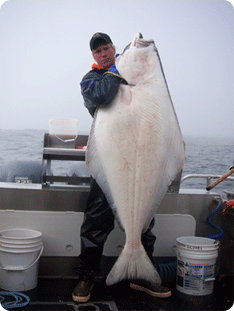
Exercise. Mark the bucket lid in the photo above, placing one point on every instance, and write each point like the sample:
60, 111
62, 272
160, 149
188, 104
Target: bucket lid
198, 243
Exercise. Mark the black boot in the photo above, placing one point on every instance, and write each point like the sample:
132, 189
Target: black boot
82, 291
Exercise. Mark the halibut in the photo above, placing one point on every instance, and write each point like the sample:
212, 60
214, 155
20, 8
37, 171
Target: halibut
135, 151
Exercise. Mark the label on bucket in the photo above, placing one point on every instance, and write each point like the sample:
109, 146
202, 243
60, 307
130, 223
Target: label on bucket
195, 278
198, 247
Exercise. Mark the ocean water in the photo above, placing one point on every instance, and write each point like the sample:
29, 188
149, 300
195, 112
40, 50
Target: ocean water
204, 155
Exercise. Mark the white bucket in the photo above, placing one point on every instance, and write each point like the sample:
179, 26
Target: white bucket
20, 236
20, 279
20, 250
11, 257
196, 265
17, 245
63, 127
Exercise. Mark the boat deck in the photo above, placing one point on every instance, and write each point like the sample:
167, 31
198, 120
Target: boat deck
55, 294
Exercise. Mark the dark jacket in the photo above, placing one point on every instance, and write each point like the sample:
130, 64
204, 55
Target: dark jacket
98, 90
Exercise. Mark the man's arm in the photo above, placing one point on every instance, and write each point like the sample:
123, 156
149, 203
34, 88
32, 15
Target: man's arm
99, 90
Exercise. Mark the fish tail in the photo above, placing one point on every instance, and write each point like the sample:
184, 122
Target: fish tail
133, 264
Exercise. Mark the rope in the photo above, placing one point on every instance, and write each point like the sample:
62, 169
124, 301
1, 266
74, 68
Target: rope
21, 300
167, 271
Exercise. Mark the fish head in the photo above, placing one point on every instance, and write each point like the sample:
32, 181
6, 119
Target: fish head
137, 62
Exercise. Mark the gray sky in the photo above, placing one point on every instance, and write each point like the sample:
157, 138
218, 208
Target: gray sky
45, 53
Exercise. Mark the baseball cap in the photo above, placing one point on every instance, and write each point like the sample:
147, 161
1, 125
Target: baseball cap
99, 38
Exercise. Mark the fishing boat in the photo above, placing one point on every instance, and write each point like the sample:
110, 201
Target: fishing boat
34, 197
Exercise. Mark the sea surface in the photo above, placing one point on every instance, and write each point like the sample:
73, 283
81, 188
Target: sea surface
204, 155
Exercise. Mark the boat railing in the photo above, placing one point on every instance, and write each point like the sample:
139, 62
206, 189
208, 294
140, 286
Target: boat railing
204, 176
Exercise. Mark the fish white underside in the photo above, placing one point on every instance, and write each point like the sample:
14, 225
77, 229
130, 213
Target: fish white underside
135, 151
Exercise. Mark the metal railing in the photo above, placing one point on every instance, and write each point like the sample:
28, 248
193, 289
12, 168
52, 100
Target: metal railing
204, 176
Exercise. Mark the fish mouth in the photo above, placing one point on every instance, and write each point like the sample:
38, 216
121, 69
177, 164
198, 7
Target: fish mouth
139, 42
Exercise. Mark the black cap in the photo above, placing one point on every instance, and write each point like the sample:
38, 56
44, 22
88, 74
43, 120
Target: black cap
99, 38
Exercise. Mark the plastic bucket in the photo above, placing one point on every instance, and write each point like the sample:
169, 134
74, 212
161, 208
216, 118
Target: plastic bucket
11, 257
63, 132
196, 265
60, 127
20, 250
21, 245
18, 278
20, 236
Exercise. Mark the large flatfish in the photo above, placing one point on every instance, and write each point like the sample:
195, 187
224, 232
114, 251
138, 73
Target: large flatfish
135, 151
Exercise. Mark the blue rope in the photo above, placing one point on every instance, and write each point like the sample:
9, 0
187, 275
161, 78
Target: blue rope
167, 271
213, 225
17, 303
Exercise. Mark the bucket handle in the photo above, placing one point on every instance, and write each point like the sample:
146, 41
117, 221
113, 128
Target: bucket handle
22, 269
66, 140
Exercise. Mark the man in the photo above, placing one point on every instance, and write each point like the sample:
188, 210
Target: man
99, 87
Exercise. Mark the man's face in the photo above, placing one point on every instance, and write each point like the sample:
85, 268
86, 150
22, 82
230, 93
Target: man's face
104, 55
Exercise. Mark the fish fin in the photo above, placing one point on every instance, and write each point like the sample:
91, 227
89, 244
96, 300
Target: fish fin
133, 264
117, 218
92, 160
160, 194
96, 170
172, 168
94, 164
